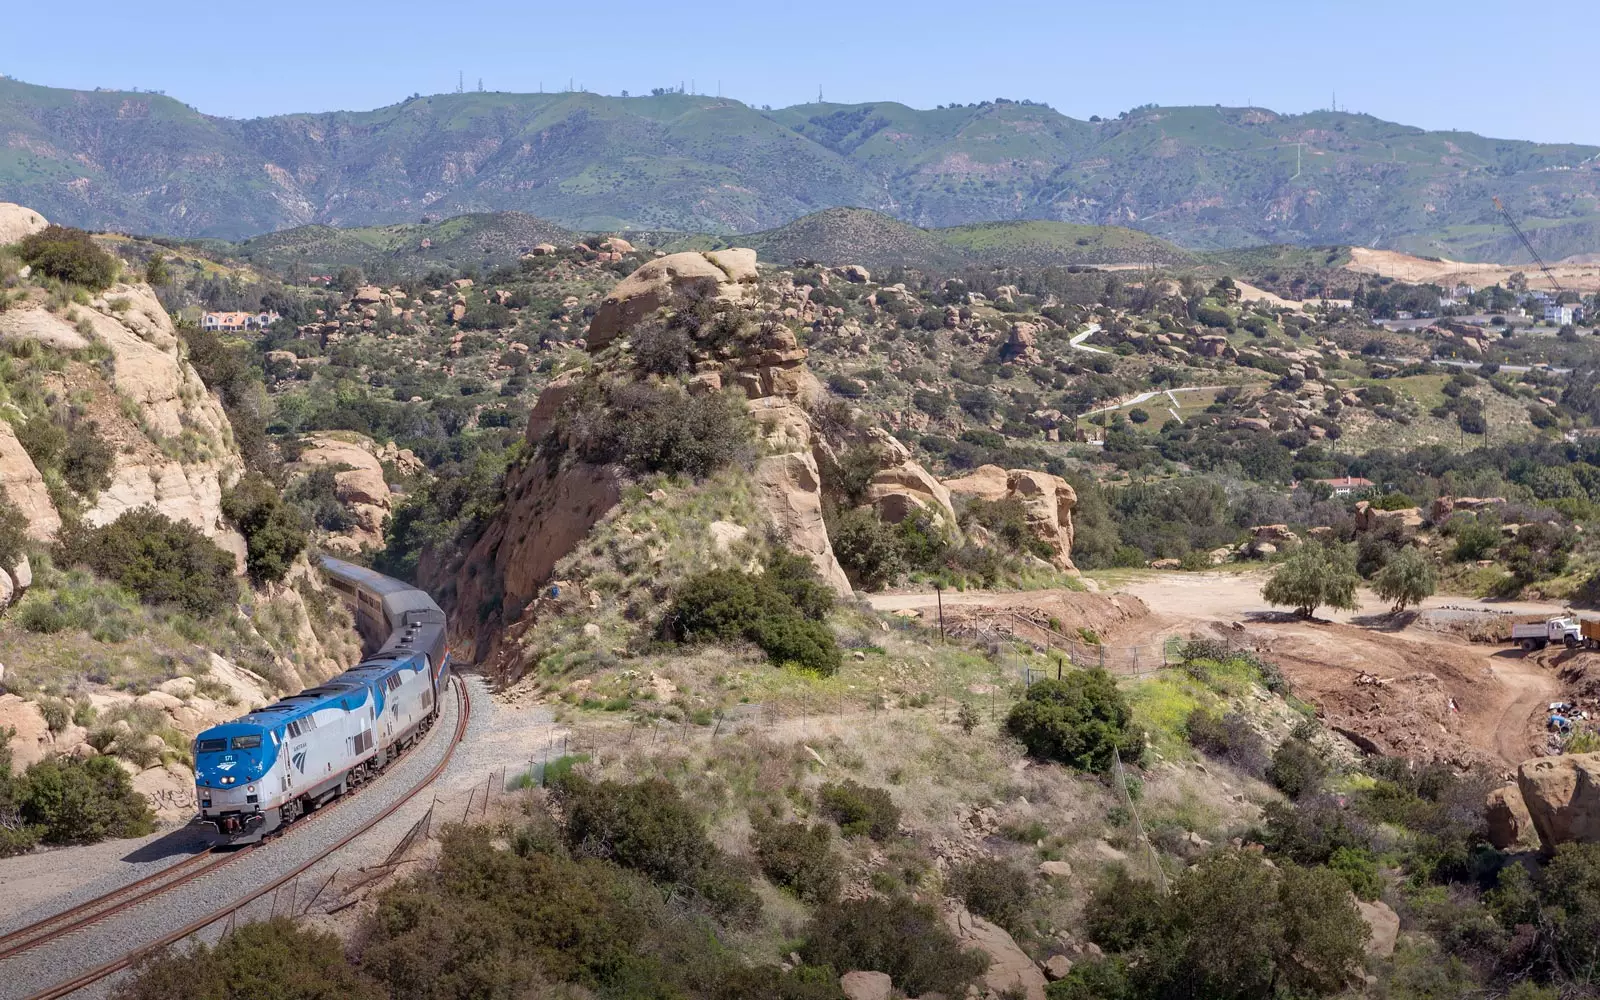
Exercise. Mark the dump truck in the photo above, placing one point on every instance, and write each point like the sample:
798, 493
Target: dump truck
1566, 630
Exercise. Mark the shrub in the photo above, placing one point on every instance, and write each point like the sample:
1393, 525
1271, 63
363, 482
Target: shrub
1233, 926
271, 529
68, 254
993, 889
1359, 869
647, 827
162, 560
779, 611
653, 428
74, 801
799, 858
1213, 317
859, 810
905, 939
867, 549
13, 532
1081, 720
661, 349
1229, 737
272, 958
1297, 769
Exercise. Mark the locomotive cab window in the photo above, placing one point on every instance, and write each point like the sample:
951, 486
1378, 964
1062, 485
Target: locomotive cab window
246, 742
210, 746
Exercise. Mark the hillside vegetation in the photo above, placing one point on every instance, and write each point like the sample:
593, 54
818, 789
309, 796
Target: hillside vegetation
1203, 177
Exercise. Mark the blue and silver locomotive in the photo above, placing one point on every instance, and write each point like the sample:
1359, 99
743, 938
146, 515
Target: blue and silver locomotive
266, 769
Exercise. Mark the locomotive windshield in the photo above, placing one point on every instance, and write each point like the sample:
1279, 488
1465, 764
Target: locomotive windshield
211, 746
247, 742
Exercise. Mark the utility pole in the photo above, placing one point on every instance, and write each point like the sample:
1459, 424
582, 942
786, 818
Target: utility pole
461, 79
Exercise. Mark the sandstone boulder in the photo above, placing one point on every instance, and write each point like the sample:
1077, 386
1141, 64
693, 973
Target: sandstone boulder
866, 986
1022, 344
1510, 825
987, 482
358, 481
1384, 925
42, 326
17, 222
1562, 795
23, 485
789, 492
854, 273
1370, 518
1057, 967
1047, 503
32, 741
739, 263
655, 283
367, 295
1010, 970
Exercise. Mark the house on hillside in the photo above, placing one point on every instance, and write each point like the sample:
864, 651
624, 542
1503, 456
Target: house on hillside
230, 321
1346, 485
1561, 315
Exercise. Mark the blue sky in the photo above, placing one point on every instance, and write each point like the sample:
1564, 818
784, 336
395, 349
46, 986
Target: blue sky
1514, 71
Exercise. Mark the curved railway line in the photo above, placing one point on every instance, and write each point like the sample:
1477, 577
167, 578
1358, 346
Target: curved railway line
135, 894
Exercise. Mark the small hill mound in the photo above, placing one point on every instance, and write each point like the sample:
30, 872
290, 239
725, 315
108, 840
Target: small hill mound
483, 239
1045, 243
854, 236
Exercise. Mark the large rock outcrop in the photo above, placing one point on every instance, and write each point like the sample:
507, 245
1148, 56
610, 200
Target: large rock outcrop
1510, 825
1011, 972
359, 484
1047, 503
721, 274
789, 488
902, 487
16, 222
1563, 797
25, 487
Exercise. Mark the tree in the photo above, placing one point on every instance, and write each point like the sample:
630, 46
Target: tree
1406, 579
271, 529
68, 254
155, 270
1315, 575
1081, 720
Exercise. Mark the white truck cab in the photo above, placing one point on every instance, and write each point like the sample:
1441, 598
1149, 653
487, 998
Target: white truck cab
1566, 631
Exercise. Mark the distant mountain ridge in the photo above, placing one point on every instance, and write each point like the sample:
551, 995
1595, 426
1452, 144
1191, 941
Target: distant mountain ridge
1201, 177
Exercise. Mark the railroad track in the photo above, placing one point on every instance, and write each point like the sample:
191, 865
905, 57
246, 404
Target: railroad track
137, 893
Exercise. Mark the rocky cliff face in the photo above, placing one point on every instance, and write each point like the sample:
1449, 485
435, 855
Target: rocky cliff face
1047, 502
173, 447
1563, 797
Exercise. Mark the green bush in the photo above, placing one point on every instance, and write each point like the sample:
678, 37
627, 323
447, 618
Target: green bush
647, 827
1229, 737
72, 801
275, 958
656, 429
1297, 769
905, 939
1232, 926
271, 528
867, 549
533, 922
76, 600
859, 810
994, 890
779, 611
1359, 869
800, 858
13, 532
1213, 317
1081, 720
68, 254
162, 560
71, 446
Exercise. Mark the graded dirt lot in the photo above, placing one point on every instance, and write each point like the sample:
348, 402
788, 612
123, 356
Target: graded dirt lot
1408, 685
1574, 274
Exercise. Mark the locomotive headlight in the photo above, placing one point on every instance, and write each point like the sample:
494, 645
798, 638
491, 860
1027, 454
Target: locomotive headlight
249, 788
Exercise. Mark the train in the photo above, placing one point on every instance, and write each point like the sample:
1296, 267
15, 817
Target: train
262, 771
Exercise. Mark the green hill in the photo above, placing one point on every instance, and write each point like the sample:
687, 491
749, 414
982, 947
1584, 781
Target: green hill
485, 239
1201, 177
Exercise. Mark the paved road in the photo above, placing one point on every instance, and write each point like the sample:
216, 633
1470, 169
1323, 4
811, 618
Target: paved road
1079, 338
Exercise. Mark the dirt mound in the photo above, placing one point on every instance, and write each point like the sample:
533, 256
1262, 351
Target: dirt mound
1436, 700
1042, 618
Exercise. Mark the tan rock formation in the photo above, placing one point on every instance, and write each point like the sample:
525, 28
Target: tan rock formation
1370, 518
866, 986
43, 326
32, 741
1383, 924
1562, 795
24, 487
790, 493
1047, 503
1510, 824
358, 482
1010, 970
655, 283
17, 222
987, 482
